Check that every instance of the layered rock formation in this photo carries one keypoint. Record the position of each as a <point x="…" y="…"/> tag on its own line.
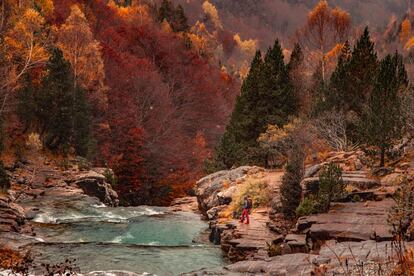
<point x="94" y="184"/>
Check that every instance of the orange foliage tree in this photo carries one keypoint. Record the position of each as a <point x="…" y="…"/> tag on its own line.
<point x="324" y="29"/>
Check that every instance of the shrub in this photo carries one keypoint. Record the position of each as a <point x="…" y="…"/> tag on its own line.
<point x="331" y="186"/>
<point x="257" y="190"/>
<point x="110" y="177"/>
<point x="273" y="249"/>
<point x="356" y="198"/>
<point x="402" y="212"/>
<point x="290" y="189"/>
<point x="306" y="207"/>
<point x="4" y="178"/>
<point x="33" y="142"/>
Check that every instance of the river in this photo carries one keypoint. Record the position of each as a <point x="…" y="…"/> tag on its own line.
<point x="144" y="240"/>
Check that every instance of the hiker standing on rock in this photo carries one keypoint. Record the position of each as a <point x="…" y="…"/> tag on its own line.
<point x="247" y="205"/>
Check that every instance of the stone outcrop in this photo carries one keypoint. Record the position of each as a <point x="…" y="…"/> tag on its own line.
<point x="11" y="215"/>
<point x="327" y="262"/>
<point x="356" y="179"/>
<point x="240" y="241"/>
<point x="358" y="221"/>
<point x="184" y="204"/>
<point x="93" y="184"/>
<point x="217" y="188"/>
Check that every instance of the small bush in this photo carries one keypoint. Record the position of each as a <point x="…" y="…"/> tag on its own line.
<point x="4" y="178"/>
<point x="273" y="249"/>
<point x="290" y="189"/>
<point x="331" y="186"/>
<point x="110" y="177"/>
<point x="255" y="189"/>
<point x="402" y="212"/>
<point x="356" y="198"/>
<point x="306" y="207"/>
<point x="33" y="142"/>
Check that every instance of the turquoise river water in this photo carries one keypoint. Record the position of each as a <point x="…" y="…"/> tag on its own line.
<point x="144" y="240"/>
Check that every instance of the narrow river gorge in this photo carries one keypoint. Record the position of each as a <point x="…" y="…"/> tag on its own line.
<point x="143" y="240"/>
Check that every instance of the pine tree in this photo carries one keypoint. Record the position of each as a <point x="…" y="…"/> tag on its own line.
<point x="267" y="97"/>
<point x="180" y="20"/>
<point x="382" y="119"/>
<point x="276" y="93"/>
<point x="290" y="189"/>
<point x="165" y="11"/>
<point x="55" y="102"/>
<point x="56" y="109"/>
<point x="362" y="70"/>
<point x="296" y="72"/>
<point x="82" y="122"/>
<point x="339" y="86"/>
<point x="296" y="58"/>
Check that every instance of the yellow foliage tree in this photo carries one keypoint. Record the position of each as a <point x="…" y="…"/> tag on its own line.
<point x="325" y="28"/>
<point x="23" y="49"/>
<point x="405" y="33"/>
<point x="79" y="47"/>
<point x="211" y="11"/>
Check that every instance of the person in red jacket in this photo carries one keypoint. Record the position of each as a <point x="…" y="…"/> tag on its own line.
<point x="247" y="205"/>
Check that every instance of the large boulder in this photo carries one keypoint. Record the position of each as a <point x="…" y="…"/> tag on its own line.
<point x="93" y="184"/>
<point x="216" y="189"/>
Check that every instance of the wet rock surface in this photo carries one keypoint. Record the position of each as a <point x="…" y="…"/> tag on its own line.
<point x="93" y="184"/>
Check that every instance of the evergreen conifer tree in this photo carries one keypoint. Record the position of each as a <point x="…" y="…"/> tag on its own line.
<point x="180" y="20"/>
<point x="56" y="102"/>
<point x="267" y="97"/>
<point x="290" y="189"/>
<point x="82" y="122"/>
<point x="339" y="86"/>
<point x="382" y="120"/>
<point x="362" y="70"/>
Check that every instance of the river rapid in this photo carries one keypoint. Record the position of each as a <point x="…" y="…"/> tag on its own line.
<point x="140" y="240"/>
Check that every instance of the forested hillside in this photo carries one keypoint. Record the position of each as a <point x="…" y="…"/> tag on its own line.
<point x="119" y="83"/>
<point x="147" y="87"/>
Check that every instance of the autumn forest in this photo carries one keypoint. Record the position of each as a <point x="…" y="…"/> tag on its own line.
<point x="164" y="92"/>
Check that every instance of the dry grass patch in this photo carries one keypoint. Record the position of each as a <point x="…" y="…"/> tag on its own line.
<point x="257" y="190"/>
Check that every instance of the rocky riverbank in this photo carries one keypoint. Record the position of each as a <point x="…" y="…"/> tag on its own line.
<point x="42" y="178"/>
<point x="354" y="231"/>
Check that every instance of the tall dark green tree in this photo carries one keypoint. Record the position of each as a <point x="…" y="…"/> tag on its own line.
<point x="82" y="139"/>
<point x="267" y="97"/>
<point x="55" y="103"/>
<point x="290" y="189"/>
<point x="174" y="16"/>
<point x="165" y="11"/>
<point x="362" y="69"/>
<point x="296" y="69"/>
<point x="240" y="133"/>
<point x="57" y="110"/>
<point x="180" y="20"/>
<point x="382" y="120"/>
<point x="277" y="99"/>
<point x="336" y="96"/>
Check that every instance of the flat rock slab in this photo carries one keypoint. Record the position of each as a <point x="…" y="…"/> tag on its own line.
<point x="239" y="237"/>
<point x="292" y="264"/>
<point x="350" y="222"/>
